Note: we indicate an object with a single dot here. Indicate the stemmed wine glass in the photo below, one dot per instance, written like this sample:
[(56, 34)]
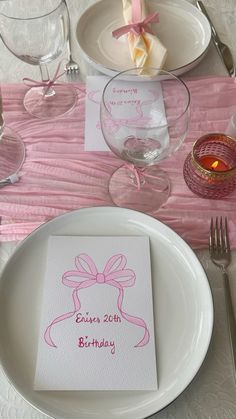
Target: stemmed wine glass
[(12, 152), (36, 32), (144, 119)]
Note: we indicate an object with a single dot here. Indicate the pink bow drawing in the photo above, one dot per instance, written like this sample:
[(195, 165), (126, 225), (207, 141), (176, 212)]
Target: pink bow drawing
[(114, 274)]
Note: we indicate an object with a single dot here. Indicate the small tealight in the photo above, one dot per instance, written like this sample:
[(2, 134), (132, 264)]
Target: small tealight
[(213, 163), (210, 169)]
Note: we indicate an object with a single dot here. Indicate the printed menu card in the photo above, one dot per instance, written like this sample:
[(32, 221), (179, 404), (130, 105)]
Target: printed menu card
[(97, 327)]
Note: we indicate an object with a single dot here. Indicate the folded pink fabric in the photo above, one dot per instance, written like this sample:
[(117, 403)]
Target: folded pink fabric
[(59, 176)]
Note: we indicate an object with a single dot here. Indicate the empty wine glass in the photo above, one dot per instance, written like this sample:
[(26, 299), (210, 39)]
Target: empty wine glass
[(36, 32), (12, 152), (144, 119)]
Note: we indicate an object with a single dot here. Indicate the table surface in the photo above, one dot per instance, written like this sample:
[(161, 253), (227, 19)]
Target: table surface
[(212, 393)]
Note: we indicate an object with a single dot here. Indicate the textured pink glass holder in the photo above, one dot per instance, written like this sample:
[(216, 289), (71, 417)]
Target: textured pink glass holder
[(211, 181)]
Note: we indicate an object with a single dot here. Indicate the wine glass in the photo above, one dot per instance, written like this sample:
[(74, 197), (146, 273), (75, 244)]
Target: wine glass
[(36, 32), (144, 119), (12, 152)]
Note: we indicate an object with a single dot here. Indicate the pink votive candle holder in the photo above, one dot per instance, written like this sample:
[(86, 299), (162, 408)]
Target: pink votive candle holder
[(210, 169)]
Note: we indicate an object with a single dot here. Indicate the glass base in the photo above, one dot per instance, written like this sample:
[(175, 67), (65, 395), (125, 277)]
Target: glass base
[(153, 192), (12, 153), (62, 100)]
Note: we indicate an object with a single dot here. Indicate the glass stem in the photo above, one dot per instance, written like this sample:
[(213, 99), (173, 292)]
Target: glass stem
[(48, 91), (136, 175)]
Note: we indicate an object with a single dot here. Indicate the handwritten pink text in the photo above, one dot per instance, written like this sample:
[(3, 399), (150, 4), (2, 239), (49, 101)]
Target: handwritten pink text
[(107, 318), (86, 342), (131, 91), (125, 102)]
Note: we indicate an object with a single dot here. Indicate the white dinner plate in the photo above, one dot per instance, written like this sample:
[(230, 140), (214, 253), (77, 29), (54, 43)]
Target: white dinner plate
[(183, 313), (182, 28)]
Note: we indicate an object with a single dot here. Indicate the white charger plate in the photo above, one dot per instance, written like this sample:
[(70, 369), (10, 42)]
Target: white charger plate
[(183, 29), (183, 313)]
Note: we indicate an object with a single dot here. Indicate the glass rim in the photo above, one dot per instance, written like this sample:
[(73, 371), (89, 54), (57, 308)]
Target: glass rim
[(35, 17), (208, 172), (156, 75)]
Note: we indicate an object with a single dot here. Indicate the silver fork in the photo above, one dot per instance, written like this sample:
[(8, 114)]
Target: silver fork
[(219, 248), (71, 66)]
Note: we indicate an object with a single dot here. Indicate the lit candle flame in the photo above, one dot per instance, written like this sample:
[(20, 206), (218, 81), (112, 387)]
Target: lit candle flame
[(215, 164)]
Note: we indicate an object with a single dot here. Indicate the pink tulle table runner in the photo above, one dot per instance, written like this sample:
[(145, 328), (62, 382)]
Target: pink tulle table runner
[(59, 176)]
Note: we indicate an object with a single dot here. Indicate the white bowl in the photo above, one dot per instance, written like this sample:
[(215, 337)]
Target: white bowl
[(182, 28)]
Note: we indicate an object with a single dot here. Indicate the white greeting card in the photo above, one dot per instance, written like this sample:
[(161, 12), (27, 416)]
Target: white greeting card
[(97, 330), (139, 98)]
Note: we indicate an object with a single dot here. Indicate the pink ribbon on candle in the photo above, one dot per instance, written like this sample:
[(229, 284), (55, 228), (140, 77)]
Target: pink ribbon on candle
[(47, 83), (137, 27), (88, 276)]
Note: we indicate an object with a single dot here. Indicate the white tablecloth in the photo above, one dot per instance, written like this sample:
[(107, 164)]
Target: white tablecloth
[(212, 393)]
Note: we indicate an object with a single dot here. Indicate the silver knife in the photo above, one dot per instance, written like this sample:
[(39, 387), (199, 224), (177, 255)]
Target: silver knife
[(222, 49)]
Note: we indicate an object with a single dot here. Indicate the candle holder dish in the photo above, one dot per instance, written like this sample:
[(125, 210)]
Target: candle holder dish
[(210, 169)]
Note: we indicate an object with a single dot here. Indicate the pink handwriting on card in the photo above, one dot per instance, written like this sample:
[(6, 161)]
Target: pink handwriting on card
[(84, 342), (115, 275), (139, 118)]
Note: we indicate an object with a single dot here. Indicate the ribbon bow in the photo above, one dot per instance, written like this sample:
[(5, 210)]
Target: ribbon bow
[(139, 174), (47, 83), (113, 274), (137, 26)]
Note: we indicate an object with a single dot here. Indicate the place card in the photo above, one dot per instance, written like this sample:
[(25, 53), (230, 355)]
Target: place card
[(141, 93), (97, 327)]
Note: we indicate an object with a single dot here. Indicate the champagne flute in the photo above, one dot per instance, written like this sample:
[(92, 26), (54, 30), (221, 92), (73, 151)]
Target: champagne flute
[(144, 119), (36, 32)]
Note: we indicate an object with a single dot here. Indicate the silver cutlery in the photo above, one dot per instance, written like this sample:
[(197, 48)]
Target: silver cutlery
[(9, 180), (222, 49), (71, 66), (219, 248), (5, 182)]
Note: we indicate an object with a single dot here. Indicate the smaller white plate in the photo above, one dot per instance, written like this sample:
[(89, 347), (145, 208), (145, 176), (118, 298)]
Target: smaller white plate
[(183, 29)]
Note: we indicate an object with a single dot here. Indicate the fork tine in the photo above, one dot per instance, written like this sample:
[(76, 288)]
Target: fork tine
[(221, 235), (211, 237), (217, 235), (226, 236)]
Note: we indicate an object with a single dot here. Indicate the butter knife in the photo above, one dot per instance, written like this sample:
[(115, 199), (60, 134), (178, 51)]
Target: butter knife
[(222, 49)]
